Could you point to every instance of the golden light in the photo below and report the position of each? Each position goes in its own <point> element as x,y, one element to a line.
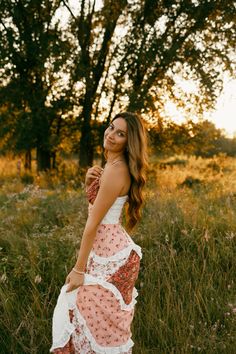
<point>224,116</point>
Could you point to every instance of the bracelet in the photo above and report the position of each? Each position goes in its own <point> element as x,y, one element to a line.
<point>77,271</point>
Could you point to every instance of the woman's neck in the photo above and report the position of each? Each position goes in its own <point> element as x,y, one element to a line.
<point>111,158</point>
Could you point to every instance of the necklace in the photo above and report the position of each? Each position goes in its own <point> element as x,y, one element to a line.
<point>115,161</point>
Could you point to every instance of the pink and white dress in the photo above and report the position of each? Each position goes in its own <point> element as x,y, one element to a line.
<point>96,317</point>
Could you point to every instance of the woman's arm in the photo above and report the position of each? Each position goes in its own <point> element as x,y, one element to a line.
<point>112,184</point>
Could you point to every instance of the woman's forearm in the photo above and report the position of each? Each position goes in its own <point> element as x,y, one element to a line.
<point>85,246</point>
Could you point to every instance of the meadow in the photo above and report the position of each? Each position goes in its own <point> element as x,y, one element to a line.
<point>187,282</point>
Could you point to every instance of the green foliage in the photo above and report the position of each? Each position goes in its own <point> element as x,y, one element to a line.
<point>32,52</point>
<point>109,56</point>
<point>199,139</point>
<point>187,287</point>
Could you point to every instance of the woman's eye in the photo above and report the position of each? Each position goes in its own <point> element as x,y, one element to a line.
<point>120,134</point>
<point>110,127</point>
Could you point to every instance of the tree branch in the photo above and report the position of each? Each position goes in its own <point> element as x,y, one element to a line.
<point>69,9</point>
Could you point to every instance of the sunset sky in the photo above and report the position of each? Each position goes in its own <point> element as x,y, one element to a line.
<point>224,116</point>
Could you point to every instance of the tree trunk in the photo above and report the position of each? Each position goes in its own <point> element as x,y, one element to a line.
<point>28,160</point>
<point>54,160</point>
<point>43,159</point>
<point>86,147</point>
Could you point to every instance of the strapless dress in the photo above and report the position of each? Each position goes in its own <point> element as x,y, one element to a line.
<point>96,317</point>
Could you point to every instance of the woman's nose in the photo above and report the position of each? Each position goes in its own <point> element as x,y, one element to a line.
<point>110,134</point>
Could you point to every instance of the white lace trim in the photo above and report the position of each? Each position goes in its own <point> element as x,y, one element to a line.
<point>61,342</point>
<point>63,328</point>
<point>104,271</point>
<point>104,268</point>
<point>119,255</point>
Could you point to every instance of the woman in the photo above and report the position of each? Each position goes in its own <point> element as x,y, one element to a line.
<point>96,305</point>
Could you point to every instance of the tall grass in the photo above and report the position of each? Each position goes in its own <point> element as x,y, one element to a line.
<point>187,282</point>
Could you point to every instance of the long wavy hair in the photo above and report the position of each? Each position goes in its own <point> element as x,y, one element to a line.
<point>136,157</point>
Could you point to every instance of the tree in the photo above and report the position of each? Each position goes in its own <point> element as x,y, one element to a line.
<point>93,31</point>
<point>204,138</point>
<point>191,138</point>
<point>170,138</point>
<point>32,53</point>
<point>124,55</point>
<point>130,56</point>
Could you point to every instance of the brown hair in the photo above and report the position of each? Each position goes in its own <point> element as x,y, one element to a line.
<point>136,157</point>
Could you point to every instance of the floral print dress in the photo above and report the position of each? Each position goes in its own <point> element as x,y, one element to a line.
<point>96,317</point>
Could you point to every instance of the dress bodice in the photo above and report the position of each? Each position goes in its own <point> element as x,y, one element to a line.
<point>114,213</point>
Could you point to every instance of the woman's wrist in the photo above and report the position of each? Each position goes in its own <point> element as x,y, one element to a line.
<point>78,271</point>
<point>80,264</point>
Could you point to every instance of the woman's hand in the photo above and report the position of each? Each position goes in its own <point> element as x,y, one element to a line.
<point>92,173</point>
<point>74,280</point>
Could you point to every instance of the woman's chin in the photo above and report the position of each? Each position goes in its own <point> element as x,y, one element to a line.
<point>107,146</point>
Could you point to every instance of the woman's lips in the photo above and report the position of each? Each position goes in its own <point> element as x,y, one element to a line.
<point>109,141</point>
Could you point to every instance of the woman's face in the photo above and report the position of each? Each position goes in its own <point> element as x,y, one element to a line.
<point>116,136</point>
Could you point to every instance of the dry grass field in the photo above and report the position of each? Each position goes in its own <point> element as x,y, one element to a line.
<point>187,283</point>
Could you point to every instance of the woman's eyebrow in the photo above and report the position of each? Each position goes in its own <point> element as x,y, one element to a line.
<point>120,130</point>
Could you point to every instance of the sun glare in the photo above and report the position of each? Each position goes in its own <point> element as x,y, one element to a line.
<point>224,116</point>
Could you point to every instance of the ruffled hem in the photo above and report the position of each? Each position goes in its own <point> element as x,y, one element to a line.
<point>69,328</point>
<point>62,327</point>
<point>67,332</point>
<point>125,252</point>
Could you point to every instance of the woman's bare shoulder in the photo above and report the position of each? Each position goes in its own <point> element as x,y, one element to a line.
<point>117,175</point>
<point>119,169</point>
